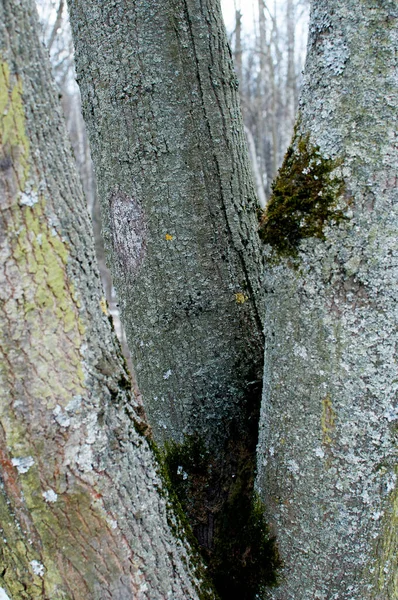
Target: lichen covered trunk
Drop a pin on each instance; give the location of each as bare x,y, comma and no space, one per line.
327,453
179,220
82,512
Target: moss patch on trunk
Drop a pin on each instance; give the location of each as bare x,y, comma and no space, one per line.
304,198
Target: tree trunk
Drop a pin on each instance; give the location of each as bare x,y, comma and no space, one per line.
328,454
179,219
83,511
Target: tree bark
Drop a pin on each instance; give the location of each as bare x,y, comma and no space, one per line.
179,219
159,97
83,511
327,453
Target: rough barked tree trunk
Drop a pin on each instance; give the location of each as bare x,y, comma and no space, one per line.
328,453
179,219
83,513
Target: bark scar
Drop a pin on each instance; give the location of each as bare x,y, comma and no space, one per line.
129,231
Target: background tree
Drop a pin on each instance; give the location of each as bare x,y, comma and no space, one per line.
328,454
268,44
83,510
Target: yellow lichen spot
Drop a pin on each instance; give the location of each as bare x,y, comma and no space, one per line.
327,420
81,327
168,237
104,306
240,298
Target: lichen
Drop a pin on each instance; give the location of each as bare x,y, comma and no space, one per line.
104,306
304,198
40,251
240,298
327,420
14,143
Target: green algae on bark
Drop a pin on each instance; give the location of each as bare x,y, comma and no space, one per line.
304,198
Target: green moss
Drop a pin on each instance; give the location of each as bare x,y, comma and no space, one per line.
304,198
187,465
245,560
240,555
178,519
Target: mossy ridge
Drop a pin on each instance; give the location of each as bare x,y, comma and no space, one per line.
242,558
178,520
304,198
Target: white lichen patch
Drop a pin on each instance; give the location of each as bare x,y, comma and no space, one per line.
335,54
391,483
167,374
62,419
352,265
112,523
300,351
50,496
377,515
180,471
29,198
293,467
391,414
37,568
84,458
75,404
23,464
92,429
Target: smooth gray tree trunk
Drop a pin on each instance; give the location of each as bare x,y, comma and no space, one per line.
84,514
328,444
179,208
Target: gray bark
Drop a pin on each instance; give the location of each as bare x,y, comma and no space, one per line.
159,98
83,511
179,218
327,452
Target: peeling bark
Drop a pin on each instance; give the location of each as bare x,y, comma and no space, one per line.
83,510
327,452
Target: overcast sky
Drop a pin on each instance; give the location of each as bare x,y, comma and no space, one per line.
247,8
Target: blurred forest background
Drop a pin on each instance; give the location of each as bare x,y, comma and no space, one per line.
268,42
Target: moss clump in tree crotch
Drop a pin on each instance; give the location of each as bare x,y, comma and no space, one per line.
304,199
226,516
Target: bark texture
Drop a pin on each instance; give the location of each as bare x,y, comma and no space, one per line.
160,101
83,513
179,220
327,451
